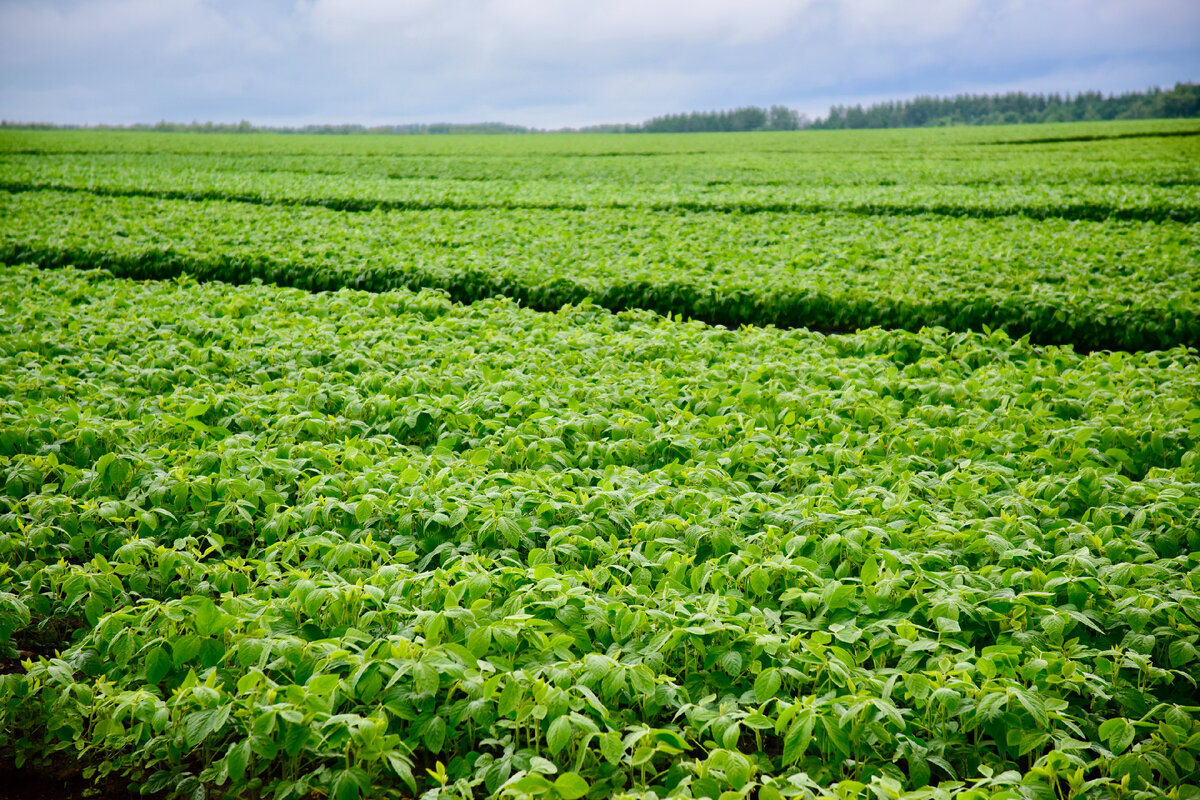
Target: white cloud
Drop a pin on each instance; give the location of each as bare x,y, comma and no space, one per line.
883,21
553,25
561,62
91,30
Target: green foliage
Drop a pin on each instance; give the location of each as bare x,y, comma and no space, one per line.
1183,100
261,542
1090,243
256,542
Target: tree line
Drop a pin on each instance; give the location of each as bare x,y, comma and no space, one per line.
244,126
1017,108
964,109
747,118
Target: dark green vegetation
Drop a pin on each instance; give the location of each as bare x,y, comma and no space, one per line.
1011,108
1018,107
258,542
1086,242
747,118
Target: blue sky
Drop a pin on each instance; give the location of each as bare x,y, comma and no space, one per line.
567,63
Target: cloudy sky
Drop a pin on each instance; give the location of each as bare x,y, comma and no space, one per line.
553,63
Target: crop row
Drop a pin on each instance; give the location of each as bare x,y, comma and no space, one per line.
1126,141
265,542
697,171
677,186
879,172
1114,285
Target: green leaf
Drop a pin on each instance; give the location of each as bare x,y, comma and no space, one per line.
847,632
249,682
559,735
345,787
730,736
478,640
767,684
510,697
539,764
102,465
185,649
93,609
611,747
768,792
840,596
1118,733
669,741
403,768
838,734
196,410
533,784
641,755
918,770
237,759
759,582
570,786
199,725
158,664
731,662
510,530
322,685
795,743
425,678
434,734
737,771
1031,740
206,616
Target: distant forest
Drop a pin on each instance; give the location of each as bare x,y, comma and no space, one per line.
965,109
1017,107
245,127
750,118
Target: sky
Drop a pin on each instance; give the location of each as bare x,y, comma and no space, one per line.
560,63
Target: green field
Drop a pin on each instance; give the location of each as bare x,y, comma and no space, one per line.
390,482
1088,241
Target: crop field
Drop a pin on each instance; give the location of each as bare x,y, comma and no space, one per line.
809,465
1089,241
